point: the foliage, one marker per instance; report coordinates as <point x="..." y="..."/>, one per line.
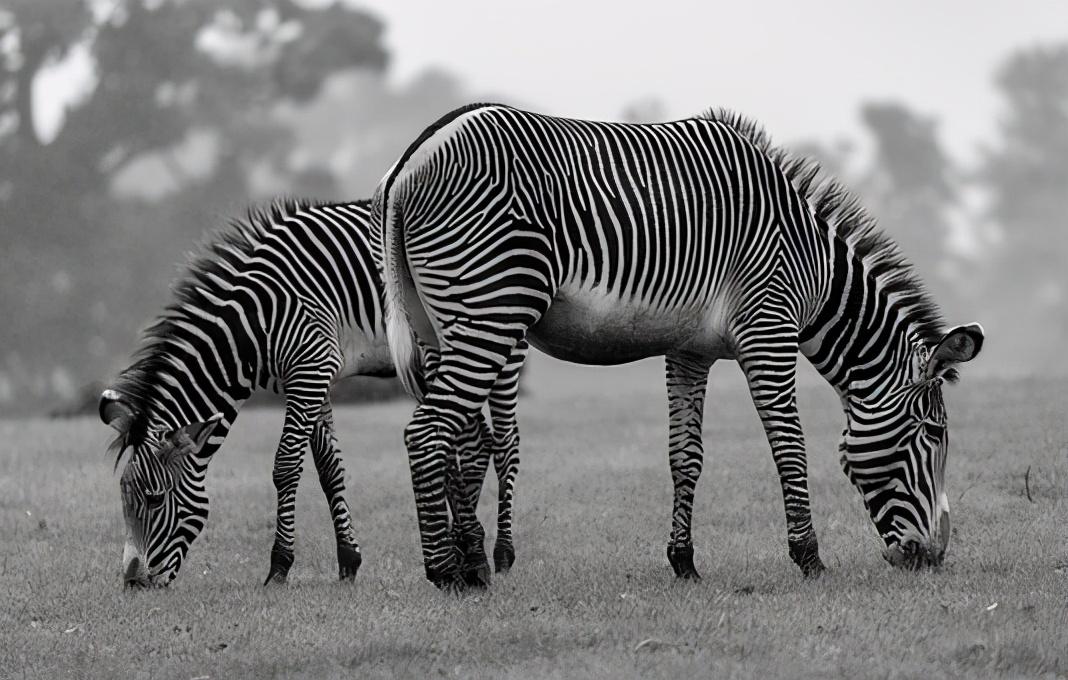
<point x="86" y="258"/>
<point x="1027" y="177"/>
<point x="911" y="183"/>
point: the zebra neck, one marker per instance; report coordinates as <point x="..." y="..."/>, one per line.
<point x="861" y="340"/>
<point x="184" y="396"/>
<point x="192" y="371"/>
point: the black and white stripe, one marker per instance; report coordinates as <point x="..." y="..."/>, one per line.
<point x="696" y="240"/>
<point x="289" y="299"/>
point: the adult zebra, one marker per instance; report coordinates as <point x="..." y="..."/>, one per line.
<point x="289" y="299"/>
<point x="697" y="240"/>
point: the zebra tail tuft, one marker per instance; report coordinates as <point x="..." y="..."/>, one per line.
<point x="396" y="276"/>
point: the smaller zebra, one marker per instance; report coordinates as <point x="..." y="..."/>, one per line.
<point x="289" y="300"/>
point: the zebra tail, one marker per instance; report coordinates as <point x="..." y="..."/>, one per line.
<point x="399" y="286"/>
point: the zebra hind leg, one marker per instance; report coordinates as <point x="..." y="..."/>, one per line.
<point x="502" y="406"/>
<point x="467" y="471"/>
<point x="455" y="397"/>
<point x="686" y="381"/>
<point x="506" y="463"/>
<point x="328" y="464"/>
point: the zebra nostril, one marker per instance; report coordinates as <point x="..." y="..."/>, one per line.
<point x="919" y="555"/>
<point x="908" y="554"/>
<point x="133" y="577"/>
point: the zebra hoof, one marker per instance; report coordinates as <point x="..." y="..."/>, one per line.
<point x="447" y="580"/>
<point x="281" y="561"/>
<point x="681" y="560"/>
<point x="475" y="570"/>
<point x="451" y="586"/>
<point x="813" y="569"/>
<point x="806" y="554"/>
<point x="503" y="557"/>
<point x="348" y="561"/>
<point x="477" y="577"/>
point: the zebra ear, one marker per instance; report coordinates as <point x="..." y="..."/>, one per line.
<point x="192" y="437"/>
<point x="958" y="345"/>
<point x="115" y="411"/>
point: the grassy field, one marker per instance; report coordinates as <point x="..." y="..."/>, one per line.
<point x="591" y="594"/>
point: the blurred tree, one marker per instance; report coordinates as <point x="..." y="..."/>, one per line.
<point x="380" y="122"/>
<point x="81" y="266"/>
<point x="910" y="189"/>
<point x="833" y="158"/>
<point x="1026" y="175"/>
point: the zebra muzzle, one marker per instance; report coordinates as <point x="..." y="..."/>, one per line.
<point x="135" y="576"/>
<point x="135" y="569"/>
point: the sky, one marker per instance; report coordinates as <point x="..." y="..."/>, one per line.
<point x="801" y="68"/>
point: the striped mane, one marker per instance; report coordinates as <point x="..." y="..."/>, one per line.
<point x="840" y="209"/>
<point x="214" y="262"/>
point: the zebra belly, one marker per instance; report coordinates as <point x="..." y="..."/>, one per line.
<point x="599" y="328"/>
<point x="364" y="355"/>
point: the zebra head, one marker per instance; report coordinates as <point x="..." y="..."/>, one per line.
<point x="164" y="503"/>
<point x="894" y="451"/>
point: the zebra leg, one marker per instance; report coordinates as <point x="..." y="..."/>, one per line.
<point x="455" y="396"/>
<point x="466" y="472"/>
<point x="300" y="416"/>
<point x="770" y="369"/>
<point x="686" y="381"/>
<point x="502" y="406"/>
<point x="429" y="437"/>
<point x="466" y="475"/>
<point x="328" y="464"/>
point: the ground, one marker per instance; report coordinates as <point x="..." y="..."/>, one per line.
<point x="591" y="595"/>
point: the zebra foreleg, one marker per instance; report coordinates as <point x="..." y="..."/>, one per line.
<point x="502" y="406"/>
<point x="328" y="464"/>
<point x="299" y="419"/>
<point x="770" y="370"/>
<point x="686" y="381"/>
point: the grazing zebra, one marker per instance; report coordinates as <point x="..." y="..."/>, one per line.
<point x="290" y="300"/>
<point x="697" y="240"/>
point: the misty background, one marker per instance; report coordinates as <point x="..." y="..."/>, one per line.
<point x="129" y="129"/>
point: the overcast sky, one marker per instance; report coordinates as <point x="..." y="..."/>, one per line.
<point x="799" y="70"/>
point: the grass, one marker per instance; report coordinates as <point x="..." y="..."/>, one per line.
<point x="591" y="594"/>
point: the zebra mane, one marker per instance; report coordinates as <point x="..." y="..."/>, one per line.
<point x="215" y="260"/>
<point x="841" y="210"/>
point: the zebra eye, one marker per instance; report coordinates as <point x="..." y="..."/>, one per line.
<point x="154" y="500"/>
<point x="935" y="429"/>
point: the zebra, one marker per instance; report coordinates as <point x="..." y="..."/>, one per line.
<point x="288" y="299"/>
<point x="695" y="240"/>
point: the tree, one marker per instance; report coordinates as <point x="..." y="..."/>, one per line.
<point x="1026" y="174"/>
<point x="911" y="189"/>
<point x="81" y="266"/>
